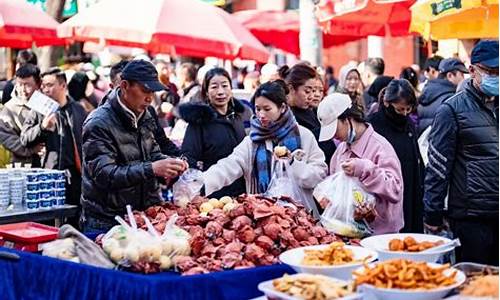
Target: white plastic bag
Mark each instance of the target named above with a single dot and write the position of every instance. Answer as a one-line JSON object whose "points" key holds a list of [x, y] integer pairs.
{"points": [[62, 249], [423, 145], [175, 240], [187, 187], [126, 244], [284, 185], [350, 208]]}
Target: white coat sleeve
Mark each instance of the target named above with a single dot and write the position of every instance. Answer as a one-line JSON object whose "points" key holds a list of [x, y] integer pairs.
{"points": [[312, 169]]}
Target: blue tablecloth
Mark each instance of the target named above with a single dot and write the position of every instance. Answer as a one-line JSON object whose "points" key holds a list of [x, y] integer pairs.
{"points": [[35, 276]]}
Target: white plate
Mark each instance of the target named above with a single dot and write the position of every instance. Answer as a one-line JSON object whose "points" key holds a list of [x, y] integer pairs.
{"points": [[268, 289], [294, 258], [373, 293], [380, 243]]}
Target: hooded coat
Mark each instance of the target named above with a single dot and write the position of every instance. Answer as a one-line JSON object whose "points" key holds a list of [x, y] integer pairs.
{"points": [[403, 139], [211, 136], [435, 92], [372, 92]]}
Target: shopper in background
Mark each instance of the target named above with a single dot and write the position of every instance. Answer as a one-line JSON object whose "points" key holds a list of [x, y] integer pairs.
{"points": [[392, 121]]}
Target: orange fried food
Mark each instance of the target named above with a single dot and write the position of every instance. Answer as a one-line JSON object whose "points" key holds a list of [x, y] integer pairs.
{"points": [[409, 241], [405, 274], [396, 245], [334, 254], [409, 244]]}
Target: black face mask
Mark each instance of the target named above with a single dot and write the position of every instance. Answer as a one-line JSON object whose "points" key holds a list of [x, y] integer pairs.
{"points": [[391, 114]]}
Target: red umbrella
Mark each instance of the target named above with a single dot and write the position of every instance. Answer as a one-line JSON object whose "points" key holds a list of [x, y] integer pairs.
{"points": [[281, 29], [187, 27], [22, 23], [366, 17]]}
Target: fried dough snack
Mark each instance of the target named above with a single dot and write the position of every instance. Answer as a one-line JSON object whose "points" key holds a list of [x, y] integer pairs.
{"points": [[312, 287], [409, 244], [405, 274], [483, 286], [334, 254], [281, 151]]}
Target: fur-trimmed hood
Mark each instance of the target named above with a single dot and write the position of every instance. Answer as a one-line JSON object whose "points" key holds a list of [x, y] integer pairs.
{"points": [[201, 113]]}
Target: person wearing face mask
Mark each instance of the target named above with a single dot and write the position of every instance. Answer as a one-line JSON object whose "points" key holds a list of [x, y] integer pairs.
{"points": [[301, 82], [215, 126], [392, 122], [366, 155], [463, 162], [272, 125], [436, 91]]}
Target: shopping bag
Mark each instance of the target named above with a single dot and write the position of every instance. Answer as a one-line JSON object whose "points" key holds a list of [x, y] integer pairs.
{"points": [[350, 208], [284, 186], [187, 187]]}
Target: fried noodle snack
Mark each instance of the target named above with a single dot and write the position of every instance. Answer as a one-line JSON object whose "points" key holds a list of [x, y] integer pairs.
{"points": [[405, 274], [483, 286], [334, 254], [312, 287]]}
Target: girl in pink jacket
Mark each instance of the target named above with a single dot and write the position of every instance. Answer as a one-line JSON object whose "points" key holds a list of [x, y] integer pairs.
{"points": [[366, 155]]}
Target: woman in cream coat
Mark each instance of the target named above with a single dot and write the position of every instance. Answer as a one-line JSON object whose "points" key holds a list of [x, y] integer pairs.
{"points": [[272, 125]]}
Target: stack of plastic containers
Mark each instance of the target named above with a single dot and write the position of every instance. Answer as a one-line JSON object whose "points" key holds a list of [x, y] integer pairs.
{"points": [[31, 188], [45, 189], [4, 189]]}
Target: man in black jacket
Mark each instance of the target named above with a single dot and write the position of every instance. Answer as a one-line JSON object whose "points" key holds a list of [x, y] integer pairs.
{"points": [[463, 161], [167, 147], [436, 91], [61, 132], [121, 158]]}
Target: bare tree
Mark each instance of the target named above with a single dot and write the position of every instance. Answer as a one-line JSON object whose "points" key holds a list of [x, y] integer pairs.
{"points": [[49, 55]]}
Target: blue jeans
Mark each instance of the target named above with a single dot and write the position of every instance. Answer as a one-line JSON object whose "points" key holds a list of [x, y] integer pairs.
{"points": [[94, 226]]}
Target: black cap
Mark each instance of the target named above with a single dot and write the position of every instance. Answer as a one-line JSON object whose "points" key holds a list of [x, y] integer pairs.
{"points": [[485, 53], [143, 72], [452, 64]]}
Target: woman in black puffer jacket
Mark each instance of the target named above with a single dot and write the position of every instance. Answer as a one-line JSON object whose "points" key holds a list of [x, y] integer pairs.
{"points": [[216, 126]]}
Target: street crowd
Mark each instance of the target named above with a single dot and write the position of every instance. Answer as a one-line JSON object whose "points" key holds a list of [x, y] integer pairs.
{"points": [[425, 144]]}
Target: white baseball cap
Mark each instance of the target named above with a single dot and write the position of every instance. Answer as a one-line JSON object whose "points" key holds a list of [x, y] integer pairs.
{"points": [[329, 109]]}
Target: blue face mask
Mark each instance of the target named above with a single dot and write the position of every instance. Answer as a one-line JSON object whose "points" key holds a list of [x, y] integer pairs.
{"points": [[489, 85]]}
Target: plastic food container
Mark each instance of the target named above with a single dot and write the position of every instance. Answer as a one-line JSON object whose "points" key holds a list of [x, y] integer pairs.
{"points": [[268, 289], [27, 236], [374, 293], [380, 243], [294, 257], [473, 268]]}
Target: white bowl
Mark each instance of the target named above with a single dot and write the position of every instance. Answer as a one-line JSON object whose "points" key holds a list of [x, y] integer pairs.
{"points": [[371, 292], [380, 243], [294, 258], [268, 289]]}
